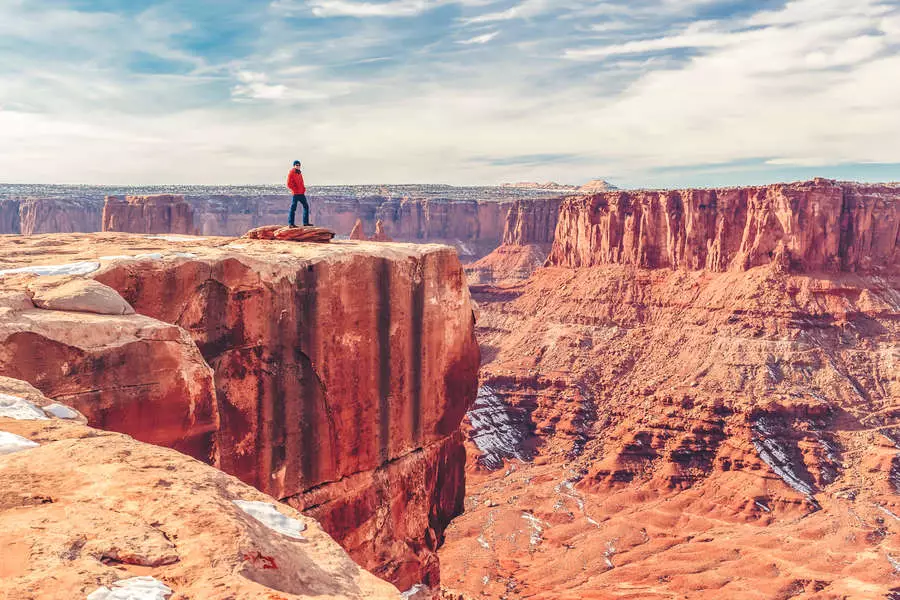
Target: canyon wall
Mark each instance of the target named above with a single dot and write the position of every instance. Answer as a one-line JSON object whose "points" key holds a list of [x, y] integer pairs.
{"points": [[9, 216], [58, 215], [819, 225], [667, 410], [163, 213], [528, 234], [339, 372], [531, 222]]}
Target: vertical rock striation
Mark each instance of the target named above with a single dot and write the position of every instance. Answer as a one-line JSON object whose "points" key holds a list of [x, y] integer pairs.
{"points": [[9, 216], [812, 226], [163, 213], [59, 215]]}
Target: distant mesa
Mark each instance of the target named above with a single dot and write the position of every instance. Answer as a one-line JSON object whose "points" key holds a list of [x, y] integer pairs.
{"points": [[595, 186], [534, 185]]}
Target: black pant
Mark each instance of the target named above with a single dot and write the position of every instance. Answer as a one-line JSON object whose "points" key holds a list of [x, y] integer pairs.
{"points": [[301, 198]]}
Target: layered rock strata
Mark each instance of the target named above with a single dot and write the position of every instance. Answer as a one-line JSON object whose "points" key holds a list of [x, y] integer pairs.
{"points": [[332, 365], [86, 513], [164, 214], [819, 225], [716, 430]]}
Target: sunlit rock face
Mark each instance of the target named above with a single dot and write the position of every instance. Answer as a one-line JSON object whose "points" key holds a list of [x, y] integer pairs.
{"points": [[813, 226], [333, 376], [708, 382]]}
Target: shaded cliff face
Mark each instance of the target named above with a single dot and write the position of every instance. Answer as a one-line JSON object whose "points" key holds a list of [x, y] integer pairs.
{"points": [[813, 226], [664, 433], [341, 372], [56, 215], [84, 509], [527, 238], [9, 216], [148, 214], [531, 222]]}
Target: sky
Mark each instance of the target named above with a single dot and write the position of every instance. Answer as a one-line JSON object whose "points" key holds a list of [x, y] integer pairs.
{"points": [[644, 93]]}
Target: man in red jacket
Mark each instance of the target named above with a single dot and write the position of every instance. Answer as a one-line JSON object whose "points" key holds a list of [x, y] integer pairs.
{"points": [[298, 187]]}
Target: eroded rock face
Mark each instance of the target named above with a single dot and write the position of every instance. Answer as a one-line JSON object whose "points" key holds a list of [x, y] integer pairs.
{"points": [[333, 365], [329, 368], [814, 226], [164, 213], [58, 215], [126, 373], [527, 238], [665, 432], [84, 511]]}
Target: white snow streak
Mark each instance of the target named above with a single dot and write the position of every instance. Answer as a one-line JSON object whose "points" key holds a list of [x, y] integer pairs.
{"points": [[177, 238], [136, 588], [268, 515], [10, 442], [19, 409], [77, 268], [60, 411]]}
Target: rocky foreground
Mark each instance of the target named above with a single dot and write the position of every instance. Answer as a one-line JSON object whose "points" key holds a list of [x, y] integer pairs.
{"points": [[92, 514], [698, 397], [330, 376]]}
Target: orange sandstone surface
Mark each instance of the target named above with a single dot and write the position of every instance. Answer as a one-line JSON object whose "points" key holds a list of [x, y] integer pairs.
{"points": [[698, 397], [331, 376], [83, 511]]}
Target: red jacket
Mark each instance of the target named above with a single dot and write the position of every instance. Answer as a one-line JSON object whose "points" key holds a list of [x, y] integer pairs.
{"points": [[295, 182]]}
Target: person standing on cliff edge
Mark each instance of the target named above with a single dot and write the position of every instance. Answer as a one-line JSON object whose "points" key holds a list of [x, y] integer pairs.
{"points": [[297, 186]]}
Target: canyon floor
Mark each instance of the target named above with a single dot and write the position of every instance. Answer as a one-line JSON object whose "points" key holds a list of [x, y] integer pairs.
{"points": [[669, 434]]}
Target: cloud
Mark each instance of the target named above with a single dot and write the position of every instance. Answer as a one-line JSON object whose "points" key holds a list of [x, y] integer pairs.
{"points": [[480, 39], [656, 92], [347, 8], [524, 10], [697, 35]]}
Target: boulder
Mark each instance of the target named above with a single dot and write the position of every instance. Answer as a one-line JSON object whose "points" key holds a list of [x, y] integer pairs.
{"points": [[81, 295]]}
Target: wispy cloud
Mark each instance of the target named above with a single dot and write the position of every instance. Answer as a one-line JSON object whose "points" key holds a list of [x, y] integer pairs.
{"points": [[464, 91], [480, 39], [525, 9]]}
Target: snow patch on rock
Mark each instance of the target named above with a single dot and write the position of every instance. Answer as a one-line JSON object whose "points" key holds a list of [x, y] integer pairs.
{"points": [[10, 442], [177, 238], [268, 515], [498, 430], [61, 411], [135, 588], [77, 268], [20, 409], [417, 592]]}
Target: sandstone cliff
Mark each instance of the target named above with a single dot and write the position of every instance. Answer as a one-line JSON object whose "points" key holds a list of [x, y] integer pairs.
{"points": [[813, 226], [527, 237], [60, 215], [92, 514], [9, 216], [341, 372], [164, 213]]}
